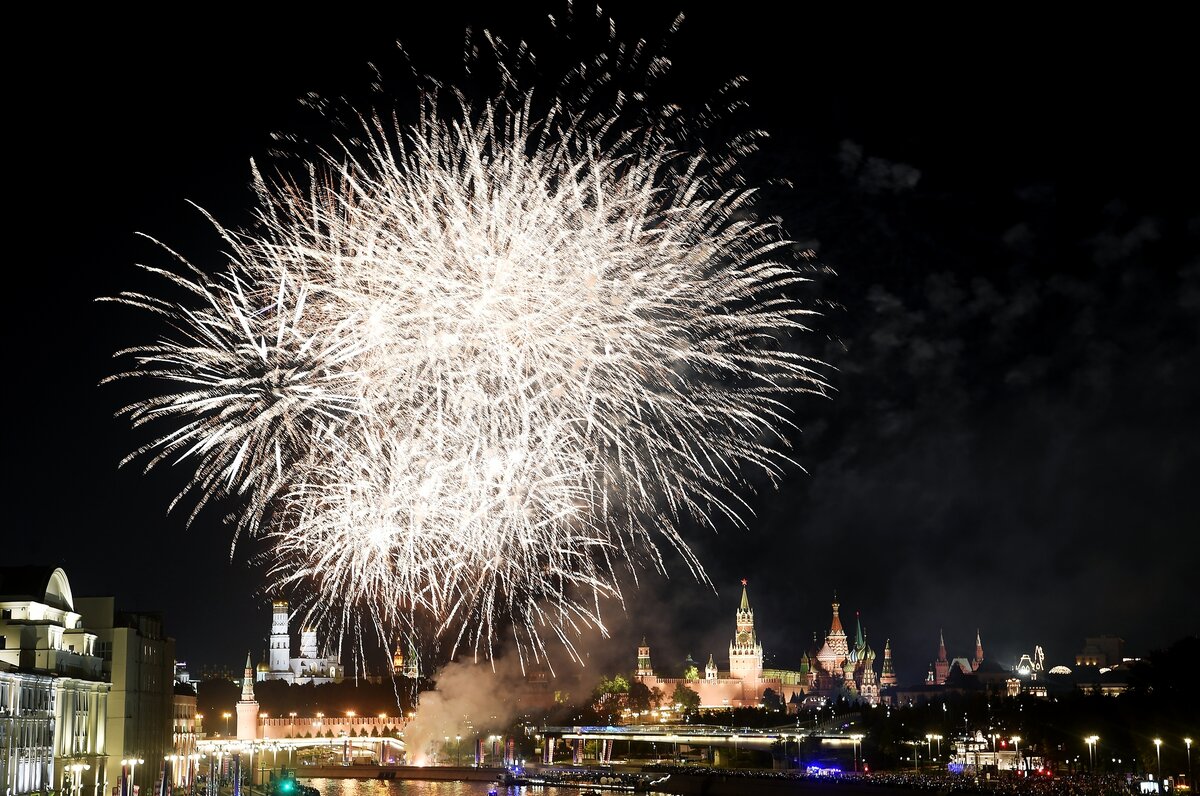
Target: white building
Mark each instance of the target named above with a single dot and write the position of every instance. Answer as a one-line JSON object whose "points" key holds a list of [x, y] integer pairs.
{"points": [[53, 698], [312, 666]]}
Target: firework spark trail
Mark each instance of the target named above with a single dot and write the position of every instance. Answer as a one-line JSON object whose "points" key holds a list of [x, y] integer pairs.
{"points": [[481, 366]]}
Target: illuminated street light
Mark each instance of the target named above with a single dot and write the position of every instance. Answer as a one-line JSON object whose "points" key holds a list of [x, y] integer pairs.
{"points": [[226, 715], [1158, 754], [1188, 741], [1091, 742], [77, 776], [133, 762], [1020, 762], [856, 740]]}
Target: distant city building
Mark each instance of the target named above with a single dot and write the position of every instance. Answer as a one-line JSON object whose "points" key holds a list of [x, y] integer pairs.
{"points": [[312, 666], [139, 662], [1101, 651], [53, 697], [219, 672], [836, 670], [182, 675]]}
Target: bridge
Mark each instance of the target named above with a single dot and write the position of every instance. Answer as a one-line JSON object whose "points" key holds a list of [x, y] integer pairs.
{"points": [[267, 754], [833, 732]]}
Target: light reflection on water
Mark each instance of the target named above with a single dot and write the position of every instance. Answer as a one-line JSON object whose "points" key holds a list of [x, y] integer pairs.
{"points": [[396, 787]]}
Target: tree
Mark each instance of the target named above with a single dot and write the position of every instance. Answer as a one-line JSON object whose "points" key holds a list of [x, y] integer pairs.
{"points": [[771, 700], [639, 696], [691, 674], [686, 698]]}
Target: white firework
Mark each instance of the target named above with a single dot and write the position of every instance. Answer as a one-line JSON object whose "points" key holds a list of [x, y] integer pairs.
{"points": [[481, 367]]}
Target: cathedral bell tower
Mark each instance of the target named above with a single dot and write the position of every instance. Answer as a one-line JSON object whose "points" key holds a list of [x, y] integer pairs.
{"points": [[281, 645], [745, 653]]}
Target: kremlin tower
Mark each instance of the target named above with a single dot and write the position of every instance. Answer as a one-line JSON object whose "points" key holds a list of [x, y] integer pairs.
{"points": [[644, 669], [888, 678], [941, 667], [247, 706], [745, 651]]}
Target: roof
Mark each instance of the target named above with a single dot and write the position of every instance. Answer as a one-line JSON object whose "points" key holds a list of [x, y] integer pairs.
{"points": [[37, 583]]}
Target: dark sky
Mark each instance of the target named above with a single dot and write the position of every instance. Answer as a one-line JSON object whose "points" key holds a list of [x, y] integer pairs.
{"points": [[1013, 221]]}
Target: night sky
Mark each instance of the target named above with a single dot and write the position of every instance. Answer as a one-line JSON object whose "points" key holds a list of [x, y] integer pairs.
{"points": [[1014, 323]]}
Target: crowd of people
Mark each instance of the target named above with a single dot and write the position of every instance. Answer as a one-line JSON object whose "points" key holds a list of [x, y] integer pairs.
{"points": [[941, 783]]}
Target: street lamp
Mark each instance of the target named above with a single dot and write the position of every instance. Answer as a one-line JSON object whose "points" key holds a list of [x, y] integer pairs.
{"points": [[856, 740], [132, 762], [77, 775], [1091, 742], [458, 750], [1158, 753], [227, 715], [938, 738], [1020, 762], [1188, 741], [929, 745]]}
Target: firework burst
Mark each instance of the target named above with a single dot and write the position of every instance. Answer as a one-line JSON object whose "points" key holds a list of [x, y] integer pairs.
{"points": [[481, 366]]}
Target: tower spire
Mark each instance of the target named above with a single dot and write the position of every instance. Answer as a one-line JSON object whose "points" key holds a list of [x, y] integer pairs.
{"points": [[248, 681], [745, 606], [941, 667], [858, 633], [835, 627], [247, 706], [978, 651], [644, 669], [888, 678]]}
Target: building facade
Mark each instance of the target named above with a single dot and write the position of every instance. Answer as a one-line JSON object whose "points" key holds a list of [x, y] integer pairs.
{"points": [[139, 662], [838, 669], [26, 731], [54, 701], [312, 665]]}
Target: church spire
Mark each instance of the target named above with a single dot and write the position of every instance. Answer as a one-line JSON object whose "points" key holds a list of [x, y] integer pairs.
{"points": [[978, 651], [858, 633], [941, 645], [835, 627], [745, 606]]}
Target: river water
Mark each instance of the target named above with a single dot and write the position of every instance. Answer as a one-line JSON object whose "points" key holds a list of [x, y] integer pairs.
{"points": [[374, 787]]}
